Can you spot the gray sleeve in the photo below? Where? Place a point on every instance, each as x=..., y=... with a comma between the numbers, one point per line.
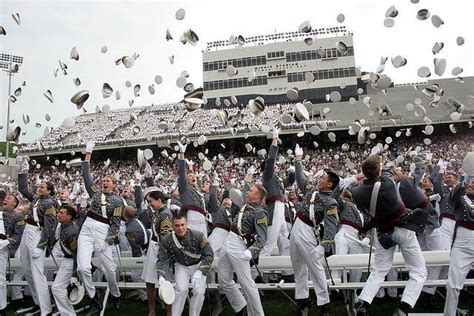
x=213, y=201
x=138, y=197
x=207, y=256
x=182, y=181
x=17, y=231
x=50, y=222
x=133, y=240
x=331, y=223
x=261, y=224
x=23, y=186
x=88, y=180
x=270, y=163
x=162, y=261
x=301, y=179
x=437, y=180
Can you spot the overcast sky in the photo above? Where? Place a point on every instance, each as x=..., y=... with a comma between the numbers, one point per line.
x=49, y=30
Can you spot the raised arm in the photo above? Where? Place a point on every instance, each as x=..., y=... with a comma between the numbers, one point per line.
x=270, y=163
x=23, y=179
x=301, y=179
x=213, y=200
x=182, y=181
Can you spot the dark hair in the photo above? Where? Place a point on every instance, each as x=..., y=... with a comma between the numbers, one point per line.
x=71, y=210
x=3, y=194
x=178, y=216
x=371, y=167
x=157, y=195
x=50, y=187
x=450, y=173
x=334, y=179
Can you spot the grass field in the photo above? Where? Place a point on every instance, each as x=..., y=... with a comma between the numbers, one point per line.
x=276, y=304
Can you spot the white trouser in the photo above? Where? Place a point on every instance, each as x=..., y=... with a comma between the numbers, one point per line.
x=91, y=237
x=283, y=244
x=305, y=264
x=34, y=268
x=136, y=277
x=273, y=231
x=217, y=239
x=3, y=277
x=197, y=221
x=183, y=275
x=123, y=242
x=431, y=240
x=447, y=231
x=383, y=261
x=346, y=246
x=149, y=274
x=19, y=275
x=59, y=287
x=462, y=257
x=230, y=261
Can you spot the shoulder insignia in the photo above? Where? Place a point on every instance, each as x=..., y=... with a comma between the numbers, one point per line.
x=94, y=188
x=165, y=226
x=130, y=237
x=309, y=186
x=263, y=220
x=51, y=211
x=74, y=244
x=204, y=242
x=332, y=211
x=20, y=223
x=118, y=211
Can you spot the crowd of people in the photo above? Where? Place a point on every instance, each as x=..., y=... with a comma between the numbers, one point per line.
x=187, y=211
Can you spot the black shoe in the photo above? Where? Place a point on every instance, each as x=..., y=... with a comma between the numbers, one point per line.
x=258, y=279
x=97, y=301
x=426, y=300
x=242, y=312
x=325, y=309
x=16, y=304
x=3, y=312
x=302, y=306
x=399, y=312
x=116, y=302
x=361, y=309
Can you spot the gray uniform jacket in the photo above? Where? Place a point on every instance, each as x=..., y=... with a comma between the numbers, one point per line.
x=143, y=214
x=162, y=222
x=46, y=210
x=274, y=185
x=325, y=206
x=14, y=224
x=220, y=215
x=463, y=205
x=253, y=228
x=189, y=196
x=194, y=243
x=348, y=212
x=445, y=209
x=113, y=202
x=136, y=236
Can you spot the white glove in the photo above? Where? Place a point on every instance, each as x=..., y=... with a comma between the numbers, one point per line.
x=275, y=132
x=4, y=244
x=90, y=147
x=196, y=279
x=138, y=176
x=182, y=148
x=247, y=255
x=435, y=197
x=37, y=253
x=319, y=174
x=25, y=165
x=251, y=170
x=215, y=182
x=365, y=243
x=148, y=171
x=291, y=169
x=298, y=151
x=318, y=251
x=161, y=280
x=37, y=181
x=190, y=163
x=102, y=246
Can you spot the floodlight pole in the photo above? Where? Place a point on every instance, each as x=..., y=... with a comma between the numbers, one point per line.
x=10, y=74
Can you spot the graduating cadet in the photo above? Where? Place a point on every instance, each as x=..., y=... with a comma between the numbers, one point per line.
x=192, y=256
x=244, y=242
x=67, y=240
x=38, y=236
x=99, y=232
x=306, y=250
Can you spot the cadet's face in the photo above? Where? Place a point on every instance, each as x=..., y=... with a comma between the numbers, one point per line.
x=470, y=187
x=180, y=226
x=227, y=202
x=64, y=194
x=206, y=186
x=253, y=194
x=427, y=184
x=323, y=182
x=156, y=204
x=108, y=185
x=9, y=202
x=126, y=191
x=191, y=178
x=43, y=189
x=63, y=217
x=450, y=180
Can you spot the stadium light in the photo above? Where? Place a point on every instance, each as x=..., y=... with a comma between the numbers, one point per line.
x=9, y=64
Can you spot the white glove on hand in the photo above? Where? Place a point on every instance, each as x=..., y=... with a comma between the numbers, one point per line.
x=251, y=170
x=4, y=244
x=190, y=163
x=275, y=132
x=215, y=182
x=25, y=165
x=182, y=148
x=138, y=176
x=90, y=147
x=319, y=174
x=435, y=197
x=247, y=255
x=291, y=169
x=196, y=279
x=298, y=151
x=365, y=243
x=148, y=171
x=318, y=251
x=37, y=253
x=161, y=280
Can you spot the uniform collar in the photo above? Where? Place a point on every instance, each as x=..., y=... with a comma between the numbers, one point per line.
x=63, y=225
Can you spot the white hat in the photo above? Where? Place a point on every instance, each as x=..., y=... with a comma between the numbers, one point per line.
x=80, y=98
x=236, y=196
x=75, y=293
x=140, y=158
x=166, y=293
